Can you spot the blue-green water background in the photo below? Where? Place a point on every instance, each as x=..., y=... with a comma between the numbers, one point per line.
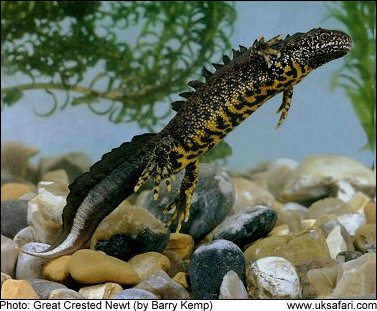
x=320, y=121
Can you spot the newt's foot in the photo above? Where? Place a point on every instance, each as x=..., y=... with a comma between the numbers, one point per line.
x=179, y=210
x=158, y=168
x=264, y=49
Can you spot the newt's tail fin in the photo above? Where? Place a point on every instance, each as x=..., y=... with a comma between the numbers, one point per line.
x=97, y=193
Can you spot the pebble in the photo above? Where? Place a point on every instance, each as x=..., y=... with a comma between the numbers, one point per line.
x=345, y=191
x=25, y=236
x=328, y=223
x=246, y=227
x=317, y=176
x=296, y=208
x=347, y=256
x=134, y=293
x=181, y=243
x=335, y=242
x=18, y=289
x=30, y=267
x=44, y=287
x=4, y=277
x=148, y=263
x=209, y=264
x=323, y=280
x=92, y=267
x=163, y=287
x=365, y=238
x=308, y=244
x=101, y=291
x=58, y=176
x=358, y=202
x=12, y=191
x=45, y=211
x=273, y=174
x=73, y=163
x=65, y=293
x=13, y=217
x=369, y=211
x=15, y=157
x=248, y=194
x=232, y=287
x=263, y=248
x=357, y=277
x=9, y=255
x=308, y=290
x=328, y=206
x=273, y=278
x=352, y=222
x=129, y=231
x=181, y=278
x=211, y=202
x=57, y=270
x=176, y=262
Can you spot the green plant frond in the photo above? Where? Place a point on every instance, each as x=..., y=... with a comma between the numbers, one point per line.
x=358, y=74
x=136, y=53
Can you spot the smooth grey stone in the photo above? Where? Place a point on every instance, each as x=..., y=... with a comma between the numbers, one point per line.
x=13, y=217
x=248, y=226
x=134, y=293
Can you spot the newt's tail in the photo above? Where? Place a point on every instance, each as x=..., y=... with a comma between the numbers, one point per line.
x=97, y=193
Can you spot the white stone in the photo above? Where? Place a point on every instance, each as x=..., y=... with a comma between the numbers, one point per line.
x=345, y=190
x=232, y=287
x=45, y=211
x=352, y=222
x=101, y=291
x=273, y=278
x=317, y=175
x=335, y=242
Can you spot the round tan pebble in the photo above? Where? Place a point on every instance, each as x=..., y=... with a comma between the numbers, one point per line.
x=365, y=237
x=323, y=280
x=148, y=263
x=12, y=191
x=263, y=248
x=370, y=212
x=308, y=244
x=57, y=270
x=182, y=243
x=181, y=278
x=18, y=289
x=92, y=267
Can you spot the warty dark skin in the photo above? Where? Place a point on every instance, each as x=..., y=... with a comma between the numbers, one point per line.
x=227, y=97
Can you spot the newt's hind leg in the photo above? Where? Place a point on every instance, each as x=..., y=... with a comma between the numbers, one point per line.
x=180, y=208
x=158, y=167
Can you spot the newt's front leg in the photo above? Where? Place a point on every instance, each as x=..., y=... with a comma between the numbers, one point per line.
x=180, y=208
x=286, y=104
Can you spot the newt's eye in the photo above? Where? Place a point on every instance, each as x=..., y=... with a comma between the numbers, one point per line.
x=324, y=36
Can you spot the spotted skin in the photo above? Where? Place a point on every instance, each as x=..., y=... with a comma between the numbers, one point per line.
x=228, y=96
x=233, y=93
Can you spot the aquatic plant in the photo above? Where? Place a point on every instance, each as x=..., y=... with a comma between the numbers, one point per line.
x=120, y=58
x=358, y=74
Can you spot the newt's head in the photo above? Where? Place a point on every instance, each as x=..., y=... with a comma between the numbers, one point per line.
x=315, y=47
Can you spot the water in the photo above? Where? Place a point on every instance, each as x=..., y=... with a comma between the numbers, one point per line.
x=320, y=120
